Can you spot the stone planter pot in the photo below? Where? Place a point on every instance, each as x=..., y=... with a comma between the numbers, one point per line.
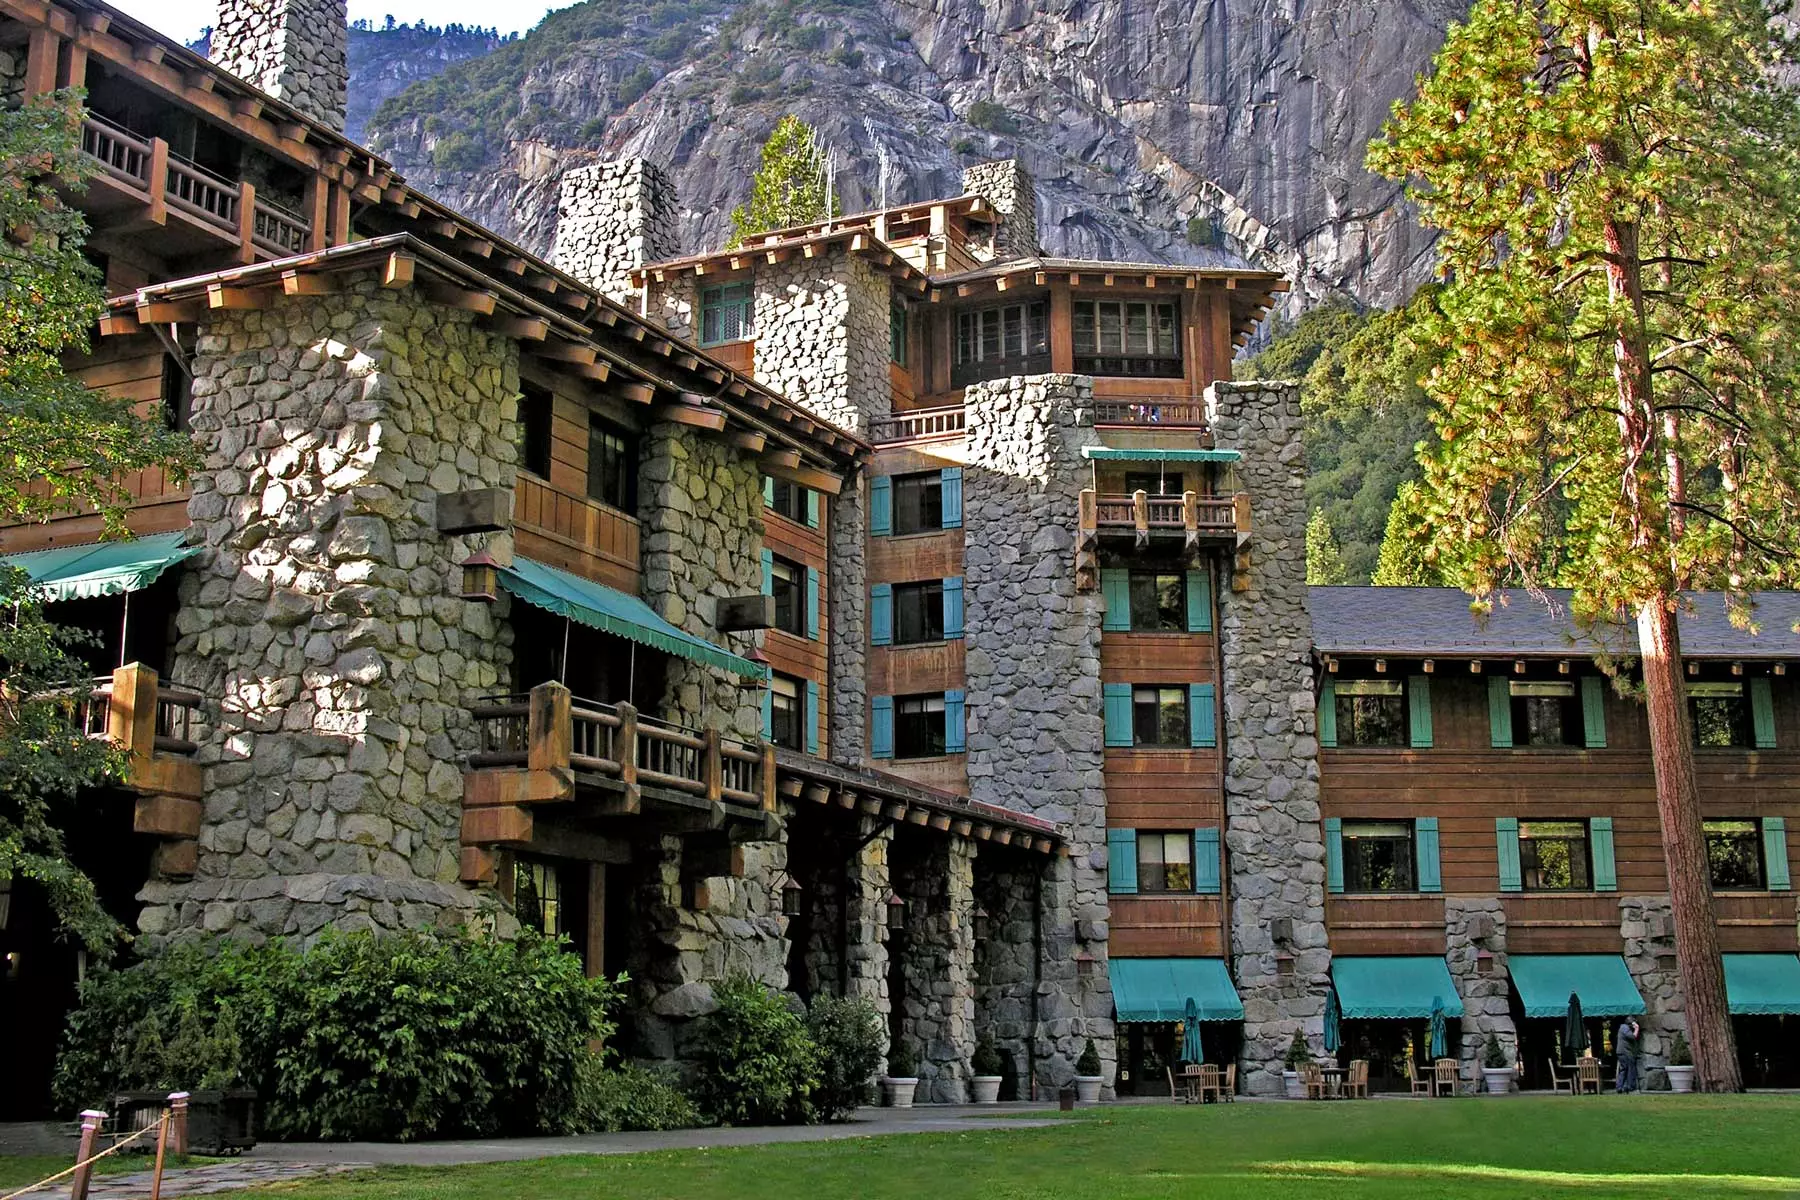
x=1087, y=1088
x=1291, y=1085
x=1498, y=1080
x=1681, y=1079
x=219, y=1121
x=984, y=1089
x=898, y=1092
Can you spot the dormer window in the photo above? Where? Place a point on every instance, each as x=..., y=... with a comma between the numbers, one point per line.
x=727, y=314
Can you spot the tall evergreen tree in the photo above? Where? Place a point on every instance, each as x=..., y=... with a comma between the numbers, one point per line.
x=1617, y=188
x=1324, y=562
x=790, y=184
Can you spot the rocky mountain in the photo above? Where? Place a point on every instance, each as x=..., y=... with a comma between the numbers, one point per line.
x=1156, y=128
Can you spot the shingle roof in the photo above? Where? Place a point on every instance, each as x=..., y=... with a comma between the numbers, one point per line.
x=1420, y=621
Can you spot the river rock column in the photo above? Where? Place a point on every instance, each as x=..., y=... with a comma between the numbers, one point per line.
x=612, y=217
x=297, y=51
x=1009, y=189
x=1647, y=925
x=848, y=593
x=1272, y=827
x=867, y=887
x=822, y=337
x=1473, y=925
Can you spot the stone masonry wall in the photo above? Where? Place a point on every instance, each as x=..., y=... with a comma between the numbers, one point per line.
x=822, y=337
x=1647, y=925
x=939, y=959
x=1473, y=924
x=611, y=218
x=1008, y=186
x=323, y=611
x=1033, y=667
x=1005, y=970
x=1272, y=826
x=297, y=51
x=12, y=75
x=847, y=589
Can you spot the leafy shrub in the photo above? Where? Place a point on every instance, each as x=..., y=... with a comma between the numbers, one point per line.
x=994, y=118
x=847, y=1034
x=754, y=1063
x=634, y=85
x=1088, y=1064
x=962, y=146
x=847, y=58
x=1298, y=1051
x=1202, y=231
x=807, y=37
x=1680, y=1055
x=986, y=1059
x=458, y=152
x=628, y=1099
x=900, y=1062
x=1492, y=1054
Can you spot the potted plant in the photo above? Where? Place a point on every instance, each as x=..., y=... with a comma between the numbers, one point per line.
x=1298, y=1052
x=1496, y=1073
x=201, y=1060
x=1088, y=1079
x=1681, y=1064
x=902, y=1077
x=986, y=1067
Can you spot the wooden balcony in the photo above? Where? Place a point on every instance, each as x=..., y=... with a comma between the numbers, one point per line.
x=154, y=724
x=599, y=761
x=1152, y=412
x=920, y=425
x=1143, y=517
x=576, y=534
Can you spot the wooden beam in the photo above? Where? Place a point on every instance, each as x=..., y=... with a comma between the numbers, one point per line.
x=595, y=372
x=692, y=415
x=451, y=296
x=479, y=247
x=641, y=393
x=557, y=349
x=292, y=131
x=526, y=329
x=119, y=324
x=170, y=312
x=148, y=53
x=294, y=283
x=398, y=272
x=219, y=296
x=748, y=439
x=787, y=460
x=818, y=481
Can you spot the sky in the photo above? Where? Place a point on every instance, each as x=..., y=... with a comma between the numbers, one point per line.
x=185, y=19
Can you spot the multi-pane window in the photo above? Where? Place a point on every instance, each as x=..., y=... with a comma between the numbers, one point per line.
x=918, y=612
x=1734, y=850
x=1158, y=602
x=1155, y=483
x=918, y=502
x=789, y=499
x=1371, y=712
x=1159, y=716
x=786, y=711
x=537, y=900
x=1720, y=713
x=177, y=393
x=897, y=332
x=1165, y=861
x=1127, y=337
x=727, y=313
x=1008, y=339
x=612, y=465
x=1545, y=713
x=535, y=406
x=1378, y=856
x=1553, y=856
x=919, y=726
x=788, y=586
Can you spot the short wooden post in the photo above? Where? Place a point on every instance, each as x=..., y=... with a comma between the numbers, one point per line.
x=765, y=780
x=158, y=182
x=41, y=52
x=1140, y=512
x=91, y=1120
x=626, y=748
x=246, y=221
x=1090, y=510
x=712, y=766
x=1190, y=513
x=318, y=208
x=552, y=729
x=162, y=1149
x=178, y=1126
x=1240, y=512
x=131, y=716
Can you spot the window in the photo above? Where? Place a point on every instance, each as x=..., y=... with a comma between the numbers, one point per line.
x=1155, y=483
x=534, y=430
x=918, y=726
x=1378, y=856
x=537, y=900
x=788, y=586
x=1158, y=602
x=177, y=393
x=788, y=499
x=1127, y=337
x=1159, y=716
x=918, y=612
x=1011, y=339
x=612, y=465
x=1371, y=712
x=1553, y=856
x=1735, y=851
x=1545, y=713
x=1165, y=862
x=897, y=332
x=786, y=711
x=918, y=502
x=727, y=313
x=1720, y=713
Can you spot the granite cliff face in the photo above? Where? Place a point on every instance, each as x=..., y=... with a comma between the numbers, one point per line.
x=1155, y=128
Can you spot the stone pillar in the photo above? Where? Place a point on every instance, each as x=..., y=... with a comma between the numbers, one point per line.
x=1647, y=925
x=297, y=51
x=323, y=612
x=847, y=586
x=822, y=337
x=611, y=218
x=1032, y=661
x=939, y=958
x=867, y=885
x=1008, y=187
x=1272, y=828
x=1472, y=925
x=1006, y=963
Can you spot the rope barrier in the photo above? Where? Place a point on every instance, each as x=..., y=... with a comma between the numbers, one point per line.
x=113, y=1149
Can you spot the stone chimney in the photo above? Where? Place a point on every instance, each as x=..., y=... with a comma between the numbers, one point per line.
x=611, y=218
x=297, y=51
x=1008, y=186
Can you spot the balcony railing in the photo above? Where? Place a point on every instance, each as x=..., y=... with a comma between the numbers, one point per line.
x=120, y=153
x=1177, y=412
x=920, y=424
x=1190, y=514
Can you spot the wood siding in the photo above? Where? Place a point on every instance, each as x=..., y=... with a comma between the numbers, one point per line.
x=802, y=657
x=577, y=534
x=907, y=670
x=1172, y=788
x=1166, y=926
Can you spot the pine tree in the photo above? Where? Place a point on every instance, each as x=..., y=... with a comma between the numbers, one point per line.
x=1406, y=558
x=1615, y=187
x=1324, y=563
x=790, y=185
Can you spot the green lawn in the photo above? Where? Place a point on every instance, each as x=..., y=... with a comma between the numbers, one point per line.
x=18, y=1170
x=1591, y=1148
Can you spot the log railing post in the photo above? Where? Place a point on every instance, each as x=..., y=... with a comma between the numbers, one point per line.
x=178, y=1124
x=131, y=714
x=1090, y=510
x=765, y=777
x=552, y=729
x=1140, y=512
x=626, y=748
x=1190, y=513
x=1240, y=513
x=246, y=221
x=91, y=1120
x=158, y=183
x=712, y=766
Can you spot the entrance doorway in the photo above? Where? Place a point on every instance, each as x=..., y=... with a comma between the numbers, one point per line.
x=1767, y=1054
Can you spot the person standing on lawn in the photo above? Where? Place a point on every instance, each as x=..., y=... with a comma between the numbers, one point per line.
x=1627, y=1045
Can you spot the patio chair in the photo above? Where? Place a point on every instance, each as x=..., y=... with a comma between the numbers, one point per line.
x=1587, y=1076
x=1422, y=1084
x=1228, y=1090
x=1210, y=1084
x=1314, y=1077
x=1177, y=1091
x=1444, y=1076
x=1560, y=1082
x=1356, y=1087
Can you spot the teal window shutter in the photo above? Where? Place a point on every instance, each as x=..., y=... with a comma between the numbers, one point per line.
x=1775, y=854
x=1425, y=848
x=768, y=565
x=1418, y=703
x=812, y=603
x=1500, y=712
x=1593, y=711
x=955, y=739
x=1199, y=601
x=768, y=712
x=1115, y=589
x=953, y=607
x=881, y=615
x=1328, y=712
x=812, y=509
x=812, y=717
x=1202, y=719
x=1121, y=862
x=951, y=494
x=1206, y=861
x=881, y=506
x=881, y=732
x=1117, y=698
x=1506, y=841
x=1334, y=854
x=768, y=491
x=1762, y=713
x=1600, y=848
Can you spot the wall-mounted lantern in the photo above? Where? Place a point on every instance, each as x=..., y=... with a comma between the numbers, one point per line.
x=978, y=921
x=896, y=913
x=791, y=895
x=1086, y=966
x=480, y=577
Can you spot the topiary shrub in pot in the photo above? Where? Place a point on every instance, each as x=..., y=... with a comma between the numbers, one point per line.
x=986, y=1071
x=1681, y=1064
x=1088, y=1080
x=1496, y=1073
x=902, y=1077
x=1298, y=1053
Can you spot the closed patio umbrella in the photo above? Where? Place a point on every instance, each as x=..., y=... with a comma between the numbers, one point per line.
x=1191, y=1050
x=1574, y=1030
x=1332, y=1016
x=1440, y=1041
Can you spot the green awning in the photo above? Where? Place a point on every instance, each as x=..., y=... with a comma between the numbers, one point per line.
x=1603, y=982
x=1760, y=985
x=612, y=611
x=1158, y=989
x=1393, y=987
x=101, y=568
x=1153, y=454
